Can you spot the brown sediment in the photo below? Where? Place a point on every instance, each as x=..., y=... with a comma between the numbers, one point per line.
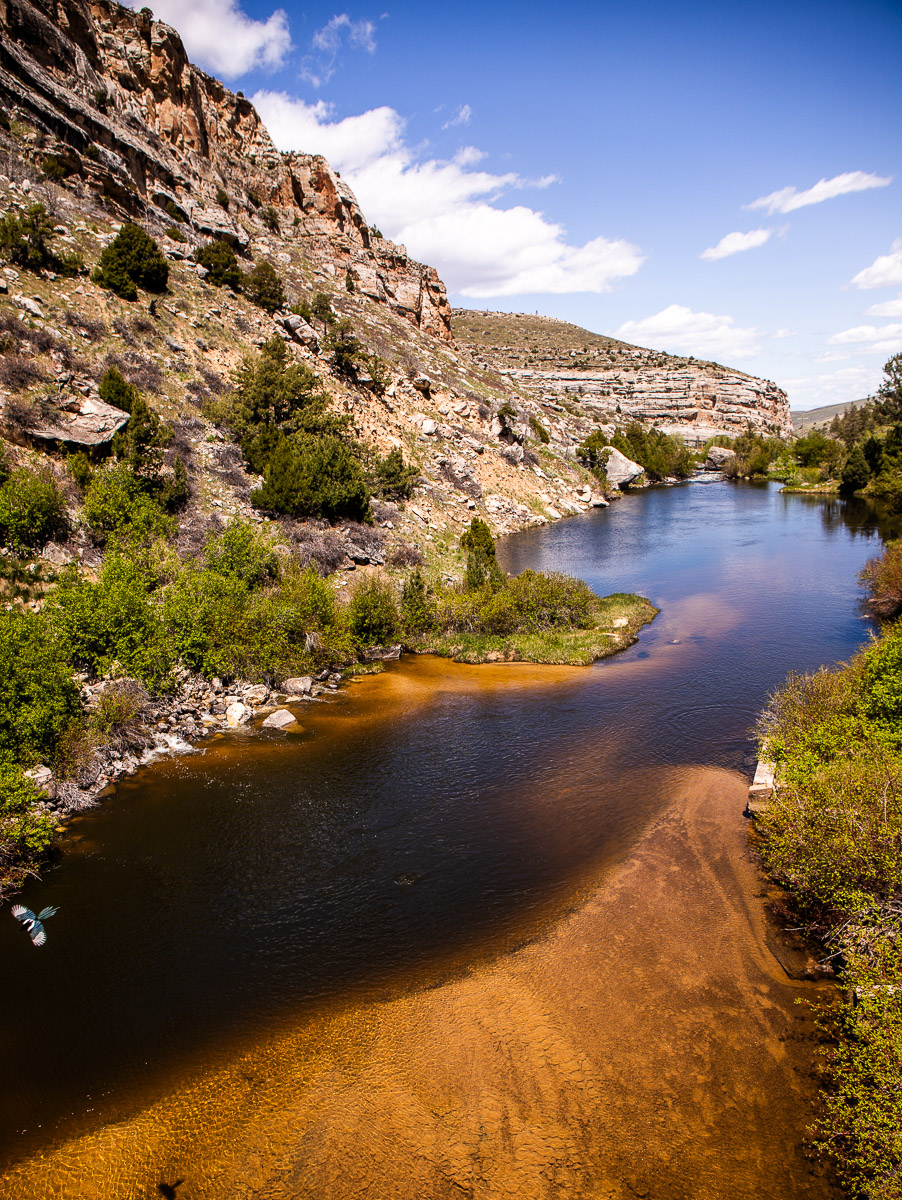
x=648, y=1046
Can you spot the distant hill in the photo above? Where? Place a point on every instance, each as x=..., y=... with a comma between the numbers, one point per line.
x=613, y=381
x=820, y=418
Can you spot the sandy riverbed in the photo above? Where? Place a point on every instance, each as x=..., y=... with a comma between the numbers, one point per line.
x=648, y=1045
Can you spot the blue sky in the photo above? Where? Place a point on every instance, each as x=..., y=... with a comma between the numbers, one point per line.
x=580, y=159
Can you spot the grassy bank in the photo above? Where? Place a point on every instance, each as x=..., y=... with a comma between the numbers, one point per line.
x=832, y=836
x=244, y=610
x=617, y=621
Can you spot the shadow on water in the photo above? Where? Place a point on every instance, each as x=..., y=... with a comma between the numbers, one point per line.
x=222, y=893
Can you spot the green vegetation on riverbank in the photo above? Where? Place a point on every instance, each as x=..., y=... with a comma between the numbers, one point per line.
x=832, y=836
x=242, y=610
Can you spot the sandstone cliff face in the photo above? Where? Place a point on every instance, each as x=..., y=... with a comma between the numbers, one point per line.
x=556, y=361
x=138, y=124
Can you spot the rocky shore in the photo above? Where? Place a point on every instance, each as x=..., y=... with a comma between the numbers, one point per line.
x=172, y=725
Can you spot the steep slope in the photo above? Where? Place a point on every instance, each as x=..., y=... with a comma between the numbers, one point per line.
x=618, y=382
x=104, y=119
x=128, y=116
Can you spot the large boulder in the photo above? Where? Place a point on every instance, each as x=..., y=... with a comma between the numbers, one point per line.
x=79, y=421
x=621, y=471
x=237, y=714
x=299, y=686
x=280, y=719
x=718, y=456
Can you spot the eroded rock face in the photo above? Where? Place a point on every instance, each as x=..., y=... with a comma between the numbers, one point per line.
x=615, y=382
x=696, y=402
x=137, y=122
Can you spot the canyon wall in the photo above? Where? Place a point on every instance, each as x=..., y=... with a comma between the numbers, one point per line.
x=126, y=114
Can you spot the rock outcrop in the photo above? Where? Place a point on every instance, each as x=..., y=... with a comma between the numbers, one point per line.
x=617, y=382
x=123, y=111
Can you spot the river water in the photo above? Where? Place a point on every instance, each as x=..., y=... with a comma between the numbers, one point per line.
x=420, y=824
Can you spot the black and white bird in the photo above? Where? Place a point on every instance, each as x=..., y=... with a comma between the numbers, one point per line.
x=33, y=924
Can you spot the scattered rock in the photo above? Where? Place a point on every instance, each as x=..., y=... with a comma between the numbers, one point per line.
x=280, y=719
x=717, y=456
x=237, y=714
x=299, y=686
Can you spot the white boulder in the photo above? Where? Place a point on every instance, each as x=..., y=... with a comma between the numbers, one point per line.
x=280, y=719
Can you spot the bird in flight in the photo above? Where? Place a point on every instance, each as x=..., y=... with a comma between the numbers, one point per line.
x=33, y=924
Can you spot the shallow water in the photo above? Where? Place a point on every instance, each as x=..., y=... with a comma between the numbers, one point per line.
x=422, y=823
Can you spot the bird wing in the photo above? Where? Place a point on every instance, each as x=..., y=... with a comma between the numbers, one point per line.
x=49, y=911
x=23, y=914
x=38, y=936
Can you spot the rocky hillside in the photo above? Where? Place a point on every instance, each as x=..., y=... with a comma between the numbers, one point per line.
x=616, y=382
x=128, y=117
x=103, y=120
x=803, y=421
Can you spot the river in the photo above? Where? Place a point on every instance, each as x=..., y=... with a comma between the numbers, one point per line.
x=251, y=930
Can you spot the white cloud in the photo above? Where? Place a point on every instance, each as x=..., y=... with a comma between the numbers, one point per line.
x=680, y=330
x=788, y=199
x=872, y=339
x=446, y=213
x=784, y=333
x=461, y=117
x=318, y=68
x=220, y=36
x=733, y=243
x=885, y=271
x=834, y=387
x=889, y=308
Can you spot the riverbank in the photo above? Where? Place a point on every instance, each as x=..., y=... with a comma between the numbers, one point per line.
x=830, y=834
x=647, y=1046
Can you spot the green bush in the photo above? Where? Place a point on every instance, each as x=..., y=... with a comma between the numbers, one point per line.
x=270, y=218
x=242, y=552
x=222, y=198
x=117, y=505
x=26, y=831
x=754, y=455
x=116, y=391
x=25, y=240
x=132, y=260
x=373, y=612
x=855, y=471
x=482, y=567
x=314, y=477
x=80, y=468
x=115, y=620
x=263, y=286
x=344, y=348
x=416, y=613
x=54, y=168
x=173, y=210
x=38, y=699
x=219, y=259
x=140, y=443
x=31, y=510
x=391, y=478
x=882, y=576
x=539, y=430
x=831, y=836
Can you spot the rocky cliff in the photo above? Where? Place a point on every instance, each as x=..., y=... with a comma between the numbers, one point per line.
x=115, y=100
x=619, y=382
x=103, y=118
